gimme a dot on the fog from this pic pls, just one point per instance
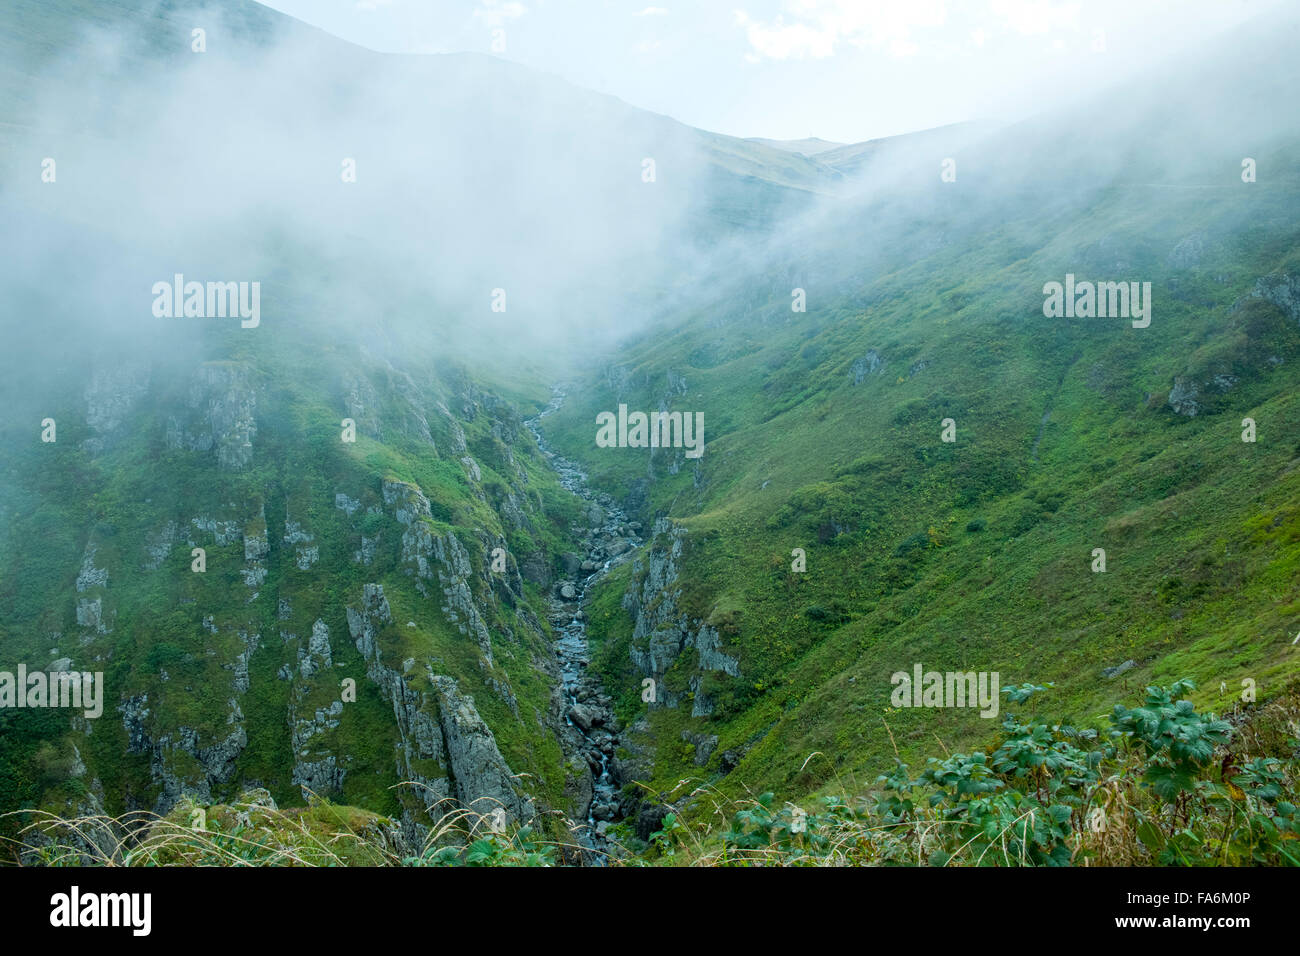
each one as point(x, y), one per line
point(231, 165)
point(474, 175)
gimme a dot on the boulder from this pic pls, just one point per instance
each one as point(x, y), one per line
point(1119, 669)
point(583, 717)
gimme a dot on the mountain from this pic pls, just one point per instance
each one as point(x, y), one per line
point(348, 540)
point(809, 146)
point(826, 446)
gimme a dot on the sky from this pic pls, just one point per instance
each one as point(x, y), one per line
point(841, 70)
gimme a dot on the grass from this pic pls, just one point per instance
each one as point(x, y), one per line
point(1045, 794)
point(975, 554)
point(173, 636)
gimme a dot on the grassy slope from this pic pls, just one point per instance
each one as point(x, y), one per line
point(65, 500)
point(1201, 530)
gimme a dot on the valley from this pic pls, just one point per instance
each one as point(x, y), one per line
point(607, 539)
point(362, 581)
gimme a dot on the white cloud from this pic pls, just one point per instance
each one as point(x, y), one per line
point(651, 12)
point(1029, 17)
point(496, 12)
point(814, 28)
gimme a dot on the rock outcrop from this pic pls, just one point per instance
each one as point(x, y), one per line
point(111, 394)
point(220, 417)
point(1281, 290)
point(869, 364)
point(441, 729)
point(661, 632)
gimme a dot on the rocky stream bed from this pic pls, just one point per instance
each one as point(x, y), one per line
point(590, 730)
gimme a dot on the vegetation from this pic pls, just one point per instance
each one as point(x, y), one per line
point(978, 554)
point(1164, 785)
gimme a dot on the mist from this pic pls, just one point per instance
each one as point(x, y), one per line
point(383, 199)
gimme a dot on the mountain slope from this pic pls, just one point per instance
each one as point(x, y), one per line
point(349, 471)
point(825, 433)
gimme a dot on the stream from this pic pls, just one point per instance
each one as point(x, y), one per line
point(608, 540)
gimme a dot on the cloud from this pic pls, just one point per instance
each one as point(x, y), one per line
point(494, 13)
point(1029, 17)
point(815, 28)
point(651, 12)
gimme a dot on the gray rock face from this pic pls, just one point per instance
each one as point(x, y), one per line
point(256, 545)
point(223, 531)
point(1187, 254)
point(366, 553)
point(420, 738)
point(220, 416)
point(1281, 290)
point(1118, 669)
point(483, 781)
point(704, 745)
point(301, 541)
point(1182, 398)
point(317, 655)
point(455, 432)
point(91, 576)
point(454, 573)
point(618, 377)
point(536, 569)
point(661, 632)
point(251, 642)
point(707, 643)
point(314, 771)
point(456, 738)
point(702, 704)
point(216, 762)
point(362, 404)
point(110, 395)
point(365, 623)
point(90, 614)
point(513, 513)
point(411, 510)
point(159, 546)
point(412, 422)
point(869, 364)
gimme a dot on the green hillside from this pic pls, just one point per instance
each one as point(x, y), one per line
point(345, 569)
point(825, 429)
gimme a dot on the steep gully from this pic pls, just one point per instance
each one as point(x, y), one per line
point(608, 539)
